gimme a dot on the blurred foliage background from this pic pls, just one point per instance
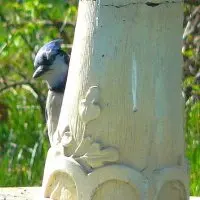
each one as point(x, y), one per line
point(191, 90)
point(25, 25)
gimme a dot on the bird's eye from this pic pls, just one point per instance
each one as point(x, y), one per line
point(45, 60)
point(44, 57)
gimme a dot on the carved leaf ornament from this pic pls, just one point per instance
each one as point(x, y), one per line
point(88, 107)
point(94, 155)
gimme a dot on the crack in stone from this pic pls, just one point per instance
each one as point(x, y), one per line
point(151, 4)
point(119, 6)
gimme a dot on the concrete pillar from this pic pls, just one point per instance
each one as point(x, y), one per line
point(120, 133)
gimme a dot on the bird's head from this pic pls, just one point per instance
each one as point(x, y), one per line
point(51, 63)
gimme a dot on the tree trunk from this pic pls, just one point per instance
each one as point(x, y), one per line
point(120, 133)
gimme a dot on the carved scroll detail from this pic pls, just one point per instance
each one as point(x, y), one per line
point(88, 107)
point(89, 153)
point(88, 110)
point(61, 186)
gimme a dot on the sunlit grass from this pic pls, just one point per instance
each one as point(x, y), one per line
point(193, 146)
point(22, 142)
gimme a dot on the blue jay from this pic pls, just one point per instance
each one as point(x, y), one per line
point(51, 63)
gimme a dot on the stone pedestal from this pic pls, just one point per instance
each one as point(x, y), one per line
point(120, 133)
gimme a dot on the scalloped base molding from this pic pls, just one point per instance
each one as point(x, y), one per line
point(65, 179)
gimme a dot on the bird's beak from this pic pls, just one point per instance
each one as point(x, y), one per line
point(40, 71)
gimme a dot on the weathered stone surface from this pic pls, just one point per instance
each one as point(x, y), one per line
point(19, 193)
point(29, 193)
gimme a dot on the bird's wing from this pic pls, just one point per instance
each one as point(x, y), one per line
point(53, 107)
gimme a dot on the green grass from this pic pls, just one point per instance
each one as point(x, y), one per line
point(193, 146)
point(22, 141)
